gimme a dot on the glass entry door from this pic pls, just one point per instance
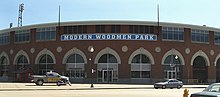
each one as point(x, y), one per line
point(171, 74)
point(107, 75)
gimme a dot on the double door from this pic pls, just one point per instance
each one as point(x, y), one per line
point(107, 75)
point(171, 74)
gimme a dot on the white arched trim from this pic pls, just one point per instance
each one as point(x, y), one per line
point(45, 51)
point(74, 51)
point(201, 53)
point(6, 56)
point(173, 52)
point(141, 51)
point(216, 59)
point(107, 50)
point(21, 52)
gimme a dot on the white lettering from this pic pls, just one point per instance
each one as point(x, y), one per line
point(103, 37)
point(113, 36)
point(80, 37)
point(118, 37)
point(66, 37)
point(136, 36)
point(71, 37)
point(85, 37)
point(124, 36)
point(108, 36)
point(129, 37)
point(141, 37)
point(89, 36)
point(98, 36)
point(75, 37)
point(151, 37)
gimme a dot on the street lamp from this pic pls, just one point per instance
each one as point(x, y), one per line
point(176, 57)
point(91, 50)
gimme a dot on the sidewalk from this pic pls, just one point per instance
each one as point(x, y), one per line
point(53, 86)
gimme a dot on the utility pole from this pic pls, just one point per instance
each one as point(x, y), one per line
point(21, 9)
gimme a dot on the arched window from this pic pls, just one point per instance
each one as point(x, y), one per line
point(75, 66)
point(141, 58)
point(4, 66)
point(75, 58)
point(172, 59)
point(140, 66)
point(22, 60)
point(46, 64)
point(22, 63)
point(4, 61)
point(45, 59)
point(107, 58)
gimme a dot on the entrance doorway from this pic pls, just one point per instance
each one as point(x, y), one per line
point(107, 75)
point(171, 74)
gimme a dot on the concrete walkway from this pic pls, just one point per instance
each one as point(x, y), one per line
point(53, 86)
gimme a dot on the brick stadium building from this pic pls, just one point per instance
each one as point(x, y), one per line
point(116, 51)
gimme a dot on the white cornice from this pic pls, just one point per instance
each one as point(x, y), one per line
point(112, 22)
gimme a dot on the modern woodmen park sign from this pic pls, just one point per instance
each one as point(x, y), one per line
point(68, 37)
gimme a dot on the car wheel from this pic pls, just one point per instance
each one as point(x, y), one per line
point(178, 87)
point(58, 84)
point(40, 82)
point(155, 87)
point(163, 87)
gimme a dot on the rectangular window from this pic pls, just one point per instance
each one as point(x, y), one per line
point(149, 29)
point(46, 34)
point(79, 29)
point(4, 38)
point(100, 28)
point(173, 34)
point(217, 38)
point(116, 28)
point(135, 74)
point(22, 36)
point(131, 28)
point(141, 29)
point(201, 36)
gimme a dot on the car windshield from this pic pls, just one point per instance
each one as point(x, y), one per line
point(213, 88)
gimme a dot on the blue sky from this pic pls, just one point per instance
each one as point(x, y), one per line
point(196, 12)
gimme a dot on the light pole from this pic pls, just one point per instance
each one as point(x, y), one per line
point(176, 57)
point(91, 50)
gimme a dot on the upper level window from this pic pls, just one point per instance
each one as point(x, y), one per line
point(116, 28)
point(4, 38)
point(45, 34)
point(100, 28)
point(217, 37)
point(22, 36)
point(141, 29)
point(173, 33)
point(200, 36)
point(75, 29)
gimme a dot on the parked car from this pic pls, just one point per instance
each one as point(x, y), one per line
point(50, 77)
point(212, 90)
point(169, 83)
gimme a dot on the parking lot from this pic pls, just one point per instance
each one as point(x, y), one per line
point(84, 90)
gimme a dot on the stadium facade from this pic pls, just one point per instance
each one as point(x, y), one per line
point(112, 52)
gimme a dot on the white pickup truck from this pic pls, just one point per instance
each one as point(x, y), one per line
point(50, 77)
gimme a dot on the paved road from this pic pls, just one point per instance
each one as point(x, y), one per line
point(84, 90)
